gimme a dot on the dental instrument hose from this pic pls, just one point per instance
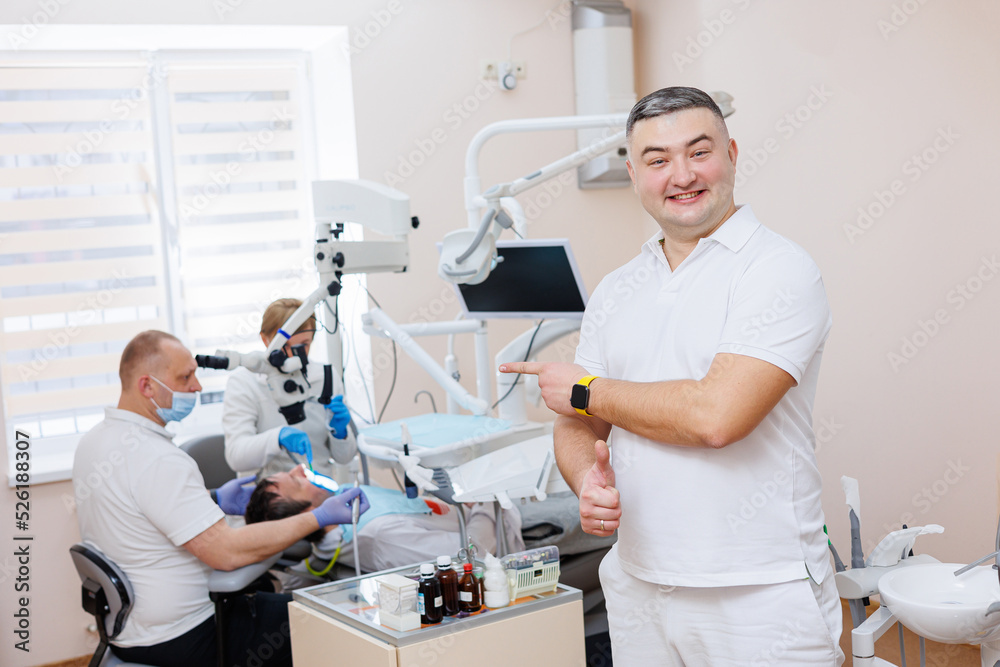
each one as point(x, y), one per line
point(354, 525)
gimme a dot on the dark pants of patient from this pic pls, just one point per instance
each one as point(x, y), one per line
point(257, 635)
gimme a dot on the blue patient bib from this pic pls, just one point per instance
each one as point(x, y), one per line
point(382, 502)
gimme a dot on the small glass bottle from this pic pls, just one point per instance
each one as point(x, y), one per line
point(449, 585)
point(480, 576)
point(430, 603)
point(469, 598)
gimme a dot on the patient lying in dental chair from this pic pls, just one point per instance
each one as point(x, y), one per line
point(394, 532)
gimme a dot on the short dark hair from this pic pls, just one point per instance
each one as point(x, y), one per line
point(669, 100)
point(267, 505)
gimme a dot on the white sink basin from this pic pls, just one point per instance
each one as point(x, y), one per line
point(932, 602)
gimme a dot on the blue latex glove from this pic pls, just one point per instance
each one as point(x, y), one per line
point(337, 509)
point(233, 496)
point(296, 441)
point(340, 417)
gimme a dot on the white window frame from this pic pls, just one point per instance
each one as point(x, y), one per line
point(331, 123)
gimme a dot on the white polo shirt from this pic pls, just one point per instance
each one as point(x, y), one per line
point(749, 513)
point(138, 499)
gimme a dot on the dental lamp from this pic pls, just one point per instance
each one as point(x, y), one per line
point(469, 255)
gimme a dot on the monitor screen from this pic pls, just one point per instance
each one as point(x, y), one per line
point(538, 278)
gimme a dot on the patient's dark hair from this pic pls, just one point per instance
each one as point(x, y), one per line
point(266, 505)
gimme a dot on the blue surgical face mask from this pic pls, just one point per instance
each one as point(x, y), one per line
point(182, 405)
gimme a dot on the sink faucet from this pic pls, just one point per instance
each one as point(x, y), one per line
point(996, 563)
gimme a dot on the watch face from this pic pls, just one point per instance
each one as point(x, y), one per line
point(578, 397)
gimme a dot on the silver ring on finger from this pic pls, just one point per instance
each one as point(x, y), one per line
point(602, 526)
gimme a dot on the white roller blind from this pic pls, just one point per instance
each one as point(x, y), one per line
point(170, 192)
point(81, 256)
point(243, 202)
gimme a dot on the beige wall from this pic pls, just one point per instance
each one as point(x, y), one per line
point(899, 431)
point(916, 430)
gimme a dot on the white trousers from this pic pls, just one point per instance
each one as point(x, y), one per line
point(792, 623)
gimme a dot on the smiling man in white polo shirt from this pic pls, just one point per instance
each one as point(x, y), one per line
point(698, 362)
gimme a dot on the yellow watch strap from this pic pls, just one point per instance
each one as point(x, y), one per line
point(586, 383)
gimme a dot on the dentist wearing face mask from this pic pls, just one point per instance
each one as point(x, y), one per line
point(259, 440)
point(142, 501)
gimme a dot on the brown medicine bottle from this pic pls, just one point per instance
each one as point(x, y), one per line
point(449, 585)
point(469, 595)
point(430, 603)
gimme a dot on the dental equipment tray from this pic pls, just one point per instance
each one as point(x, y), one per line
point(521, 470)
point(444, 440)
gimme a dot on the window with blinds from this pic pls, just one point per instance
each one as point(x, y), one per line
point(168, 194)
point(81, 253)
point(242, 200)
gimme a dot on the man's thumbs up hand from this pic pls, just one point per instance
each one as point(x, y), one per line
point(600, 505)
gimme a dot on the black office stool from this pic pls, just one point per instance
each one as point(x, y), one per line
point(108, 595)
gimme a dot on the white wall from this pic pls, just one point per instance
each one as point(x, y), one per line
point(898, 431)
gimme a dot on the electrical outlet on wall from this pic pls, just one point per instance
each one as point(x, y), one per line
point(505, 72)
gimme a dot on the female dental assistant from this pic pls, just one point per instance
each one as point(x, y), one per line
point(258, 438)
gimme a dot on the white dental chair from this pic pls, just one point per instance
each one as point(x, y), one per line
point(209, 452)
point(108, 595)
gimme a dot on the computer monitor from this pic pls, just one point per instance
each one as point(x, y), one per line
point(537, 279)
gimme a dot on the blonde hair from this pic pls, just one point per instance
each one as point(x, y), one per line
point(278, 312)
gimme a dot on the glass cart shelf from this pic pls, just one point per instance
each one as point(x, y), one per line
point(354, 602)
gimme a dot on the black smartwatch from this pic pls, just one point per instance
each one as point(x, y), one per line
point(579, 398)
